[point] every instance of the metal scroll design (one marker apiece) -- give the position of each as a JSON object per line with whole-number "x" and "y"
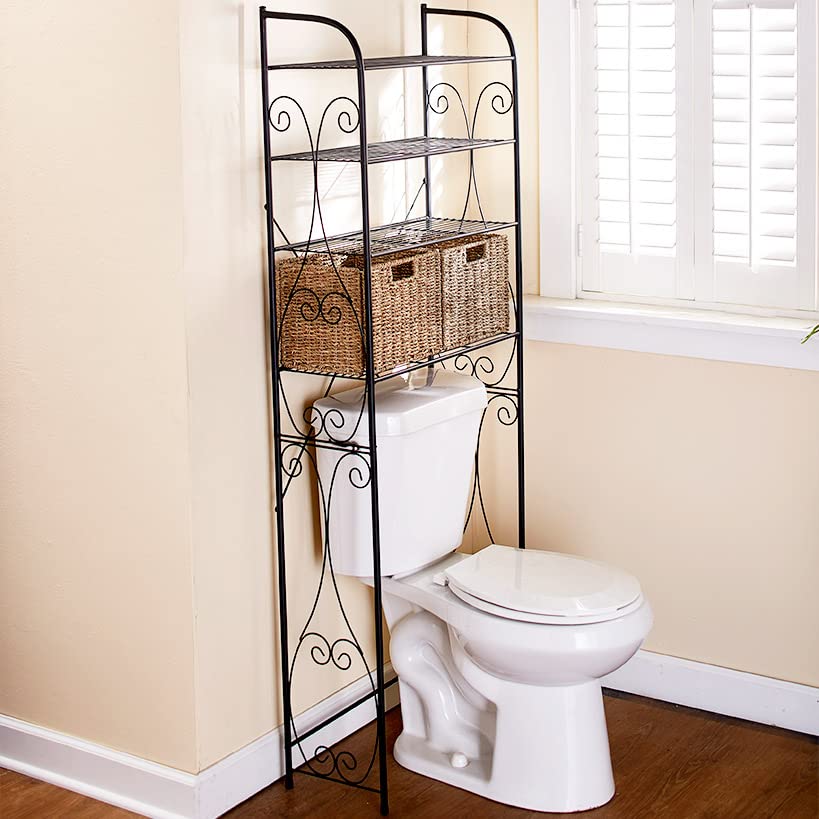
{"x": 313, "y": 428}
{"x": 503, "y": 398}
{"x": 502, "y": 404}
{"x": 343, "y": 651}
{"x": 505, "y": 407}
{"x": 336, "y": 303}
{"x": 502, "y": 101}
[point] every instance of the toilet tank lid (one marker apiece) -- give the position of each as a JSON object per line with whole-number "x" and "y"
{"x": 403, "y": 405}
{"x": 539, "y": 582}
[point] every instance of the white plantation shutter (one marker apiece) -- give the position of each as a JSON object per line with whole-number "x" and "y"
{"x": 698, "y": 131}
{"x": 754, "y": 131}
{"x": 634, "y": 200}
{"x": 761, "y": 144}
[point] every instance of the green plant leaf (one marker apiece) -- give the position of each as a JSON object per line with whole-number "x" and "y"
{"x": 813, "y": 332}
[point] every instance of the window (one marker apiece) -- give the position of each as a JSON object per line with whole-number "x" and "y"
{"x": 697, "y": 154}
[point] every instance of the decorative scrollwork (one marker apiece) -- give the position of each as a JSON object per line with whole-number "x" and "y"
{"x": 502, "y": 101}
{"x": 343, "y": 764}
{"x": 358, "y": 471}
{"x": 281, "y": 119}
{"x": 506, "y": 411}
{"x": 438, "y": 102}
{"x": 507, "y": 414}
{"x": 325, "y": 652}
{"x": 314, "y": 308}
{"x": 483, "y": 367}
{"x": 344, "y": 652}
{"x": 331, "y": 423}
{"x": 351, "y": 116}
{"x": 292, "y": 465}
{"x": 329, "y": 426}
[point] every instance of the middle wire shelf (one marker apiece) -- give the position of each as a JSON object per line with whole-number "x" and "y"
{"x": 398, "y": 236}
{"x": 394, "y": 150}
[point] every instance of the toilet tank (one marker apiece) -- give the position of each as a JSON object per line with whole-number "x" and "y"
{"x": 427, "y": 433}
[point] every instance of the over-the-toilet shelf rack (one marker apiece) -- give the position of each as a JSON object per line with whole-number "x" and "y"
{"x": 296, "y": 439}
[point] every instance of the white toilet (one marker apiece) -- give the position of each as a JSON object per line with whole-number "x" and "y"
{"x": 499, "y": 654}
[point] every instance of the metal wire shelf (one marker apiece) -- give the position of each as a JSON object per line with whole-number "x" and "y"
{"x": 398, "y": 236}
{"x": 411, "y": 366}
{"x": 394, "y": 150}
{"x": 400, "y": 61}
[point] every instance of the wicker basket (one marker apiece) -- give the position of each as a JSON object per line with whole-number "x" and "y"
{"x": 475, "y": 274}
{"x": 321, "y": 311}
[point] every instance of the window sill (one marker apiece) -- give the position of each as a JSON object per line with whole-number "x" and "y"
{"x": 773, "y": 342}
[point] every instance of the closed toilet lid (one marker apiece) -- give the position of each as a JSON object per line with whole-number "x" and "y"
{"x": 544, "y": 584}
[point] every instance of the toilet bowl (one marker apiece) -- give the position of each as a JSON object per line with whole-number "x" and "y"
{"x": 499, "y": 655}
{"x": 520, "y": 701}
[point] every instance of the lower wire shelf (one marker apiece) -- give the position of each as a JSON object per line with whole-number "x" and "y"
{"x": 415, "y": 365}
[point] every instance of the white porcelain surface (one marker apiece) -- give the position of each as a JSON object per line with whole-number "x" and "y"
{"x": 539, "y": 582}
{"x": 530, "y": 653}
{"x": 521, "y": 701}
{"x": 425, "y": 457}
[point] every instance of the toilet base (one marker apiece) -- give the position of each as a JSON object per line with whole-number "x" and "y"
{"x": 540, "y": 747}
{"x": 555, "y": 761}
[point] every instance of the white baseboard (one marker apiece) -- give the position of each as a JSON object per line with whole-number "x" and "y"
{"x": 120, "y": 779}
{"x": 161, "y": 792}
{"x": 719, "y": 690}
{"x": 165, "y": 793}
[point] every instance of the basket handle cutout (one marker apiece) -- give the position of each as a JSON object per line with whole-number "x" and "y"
{"x": 475, "y": 252}
{"x": 405, "y": 270}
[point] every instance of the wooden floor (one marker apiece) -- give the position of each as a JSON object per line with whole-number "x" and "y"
{"x": 668, "y": 762}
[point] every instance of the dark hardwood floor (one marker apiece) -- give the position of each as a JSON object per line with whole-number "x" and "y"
{"x": 24, "y": 798}
{"x": 668, "y": 762}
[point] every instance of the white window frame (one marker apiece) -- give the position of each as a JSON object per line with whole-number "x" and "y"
{"x": 563, "y": 312}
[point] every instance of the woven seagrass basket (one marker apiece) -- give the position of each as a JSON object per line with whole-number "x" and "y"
{"x": 321, "y": 320}
{"x": 475, "y": 274}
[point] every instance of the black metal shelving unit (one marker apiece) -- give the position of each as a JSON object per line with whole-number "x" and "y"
{"x": 297, "y": 437}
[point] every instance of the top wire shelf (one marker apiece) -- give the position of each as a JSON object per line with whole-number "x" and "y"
{"x": 401, "y": 61}
{"x": 394, "y": 150}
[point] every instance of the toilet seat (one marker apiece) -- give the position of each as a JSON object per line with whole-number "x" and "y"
{"x": 543, "y": 587}
{"x": 545, "y": 619}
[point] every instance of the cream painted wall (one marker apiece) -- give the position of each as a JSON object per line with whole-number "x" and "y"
{"x": 96, "y": 603}
{"x": 227, "y": 390}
